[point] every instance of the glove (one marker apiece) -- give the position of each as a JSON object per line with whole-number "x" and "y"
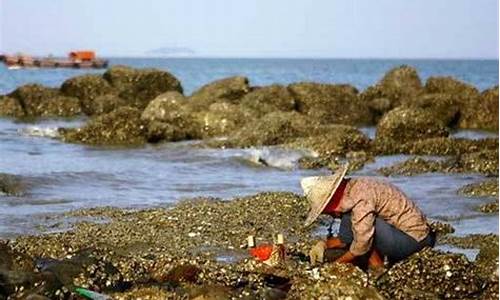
{"x": 317, "y": 252}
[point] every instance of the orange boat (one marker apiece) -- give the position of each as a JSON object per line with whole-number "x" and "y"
{"x": 76, "y": 59}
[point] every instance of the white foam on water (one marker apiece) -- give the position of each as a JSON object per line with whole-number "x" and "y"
{"x": 275, "y": 157}
{"x": 51, "y": 132}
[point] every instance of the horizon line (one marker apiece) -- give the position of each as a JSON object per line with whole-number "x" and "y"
{"x": 296, "y": 57}
{"x": 266, "y": 57}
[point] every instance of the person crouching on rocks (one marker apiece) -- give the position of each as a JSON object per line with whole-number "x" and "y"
{"x": 377, "y": 219}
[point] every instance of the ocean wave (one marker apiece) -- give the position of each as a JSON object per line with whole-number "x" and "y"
{"x": 275, "y": 157}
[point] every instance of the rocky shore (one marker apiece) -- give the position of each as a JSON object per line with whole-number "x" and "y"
{"x": 196, "y": 249}
{"x": 135, "y": 106}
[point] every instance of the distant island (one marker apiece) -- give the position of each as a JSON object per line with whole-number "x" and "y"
{"x": 172, "y": 51}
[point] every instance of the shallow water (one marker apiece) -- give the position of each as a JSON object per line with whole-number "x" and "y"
{"x": 65, "y": 176}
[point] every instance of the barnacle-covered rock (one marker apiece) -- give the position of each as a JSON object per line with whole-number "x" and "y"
{"x": 192, "y": 226}
{"x": 161, "y": 131}
{"x": 122, "y": 126}
{"x": 484, "y": 188}
{"x": 12, "y": 185}
{"x": 270, "y": 98}
{"x": 441, "y": 229}
{"x": 485, "y": 162}
{"x": 121, "y": 77}
{"x": 491, "y": 207}
{"x": 414, "y": 166}
{"x": 431, "y": 274}
{"x": 17, "y": 272}
{"x": 334, "y": 140}
{"x": 400, "y": 84}
{"x": 272, "y": 129}
{"x": 480, "y": 112}
{"x": 230, "y": 89}
{"x": 487, "y": 258}
{"x": 31, "y": 95}
{"x": 86, "y": 88}
{"x": 222, "y": 118}
{"x": 444, "y": 108}
{"x": 437, "y": 146}
{"x": 329, "y": 103}
{"x": 402, "y": 79}
{"x": 105, "y": 104}
{"x": 39, "y": 101}
{"x": 60, "y": 106}
{"x": 169, "y": 118}
{"x": 402, "y": 125}
{"x": 485, "y": 112}
{"x": 11, "y": 107}
{"x": 166, "y": 107}
{"x": 449, "y": 85}
{"x": 146, "y": 85}
{"x": 333, "y": 281}
{"x": 486, "y": 262}
{"x": 144, "y": 292}
{"x": 476, "y": 110}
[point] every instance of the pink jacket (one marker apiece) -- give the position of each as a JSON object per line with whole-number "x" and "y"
{"x": 368, "y": 198}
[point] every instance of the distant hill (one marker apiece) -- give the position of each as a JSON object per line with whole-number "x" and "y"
{"x": 171, "y": 51}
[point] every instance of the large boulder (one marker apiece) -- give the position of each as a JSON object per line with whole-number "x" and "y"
{"x": 445, "y": 108}
{"x": 331, "y": 103}
{"x": 120, "y": 77}
{"x": 169, "y": 118}
{"x": 397, "y": 85}
{"x": 60, "y": 106}
{"x": 449, "y": 85}
{"x": 334, "y": 140}
{"x": 230, "y": 89}
{"x": 402, "y": 79}
{"x": 402, "y": 125}
{"x": 483, "y": 113}
{"x": 122, "y": 126}
{"x": 268, "y": 99}
{"x": 146, "y": 85}
{"x": 11, "y": 107}
{"x": 12, "y": 185}
{"x": 106, "y": 103}
{"x": 222, "y": 118}
{"x": 272, "y": 129}
{"x": 37, "y": 100}
{"x": 86, "y": 88}
{"x": 167, "y": 107}
{"x": 478, "y": 111}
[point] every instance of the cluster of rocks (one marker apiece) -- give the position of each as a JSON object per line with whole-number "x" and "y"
{"x": 197, "y": 249}
{"x": 136, "y": 106}
{"x": 89, "y": 94}
{"x": 404, "y": 110}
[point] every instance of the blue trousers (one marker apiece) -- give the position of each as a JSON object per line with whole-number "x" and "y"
{"x": 389, "y": 241}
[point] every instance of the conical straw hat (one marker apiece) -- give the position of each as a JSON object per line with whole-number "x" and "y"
{"x": 319, "y": 190}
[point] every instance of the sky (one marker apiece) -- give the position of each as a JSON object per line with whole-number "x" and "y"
{"x": 256, "y": 28}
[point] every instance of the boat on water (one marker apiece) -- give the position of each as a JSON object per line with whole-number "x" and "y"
{"x": 75, "y": 59}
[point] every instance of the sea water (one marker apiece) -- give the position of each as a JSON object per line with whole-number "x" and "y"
{"x": 62, "y": 177}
